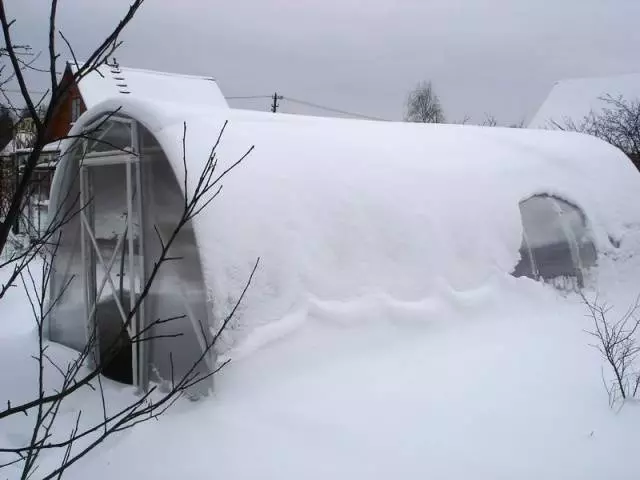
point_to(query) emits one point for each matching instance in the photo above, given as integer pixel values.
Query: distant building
(108, 81)
(570, 101)
(12, 160)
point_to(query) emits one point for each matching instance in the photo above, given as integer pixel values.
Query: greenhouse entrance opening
(124, 202)
(110, 187)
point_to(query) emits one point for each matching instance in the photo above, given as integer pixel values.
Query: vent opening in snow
(556, 241)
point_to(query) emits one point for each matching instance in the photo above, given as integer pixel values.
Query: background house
(570, 101)
(113, 80)
(12, 158)
(605, 107)
(106, 82)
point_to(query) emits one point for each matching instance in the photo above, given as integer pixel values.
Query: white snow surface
(108, 82)
(500, 383)
(573, 99)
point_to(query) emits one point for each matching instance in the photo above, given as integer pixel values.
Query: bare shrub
(616, 340)
(618, 124)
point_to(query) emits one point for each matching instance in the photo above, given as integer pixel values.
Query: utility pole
(275, 105)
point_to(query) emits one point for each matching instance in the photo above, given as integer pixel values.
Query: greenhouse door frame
(93, 258)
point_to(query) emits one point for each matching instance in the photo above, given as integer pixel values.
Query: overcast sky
(483, 56)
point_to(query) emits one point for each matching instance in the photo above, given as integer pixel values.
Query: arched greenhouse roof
(340, 209)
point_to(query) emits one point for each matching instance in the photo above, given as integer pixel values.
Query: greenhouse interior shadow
(121, 201)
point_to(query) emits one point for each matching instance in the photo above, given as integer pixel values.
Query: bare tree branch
(616, 342)
(53, 56)
(13, 57)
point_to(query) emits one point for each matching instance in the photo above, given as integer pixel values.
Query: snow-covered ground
(496, 383)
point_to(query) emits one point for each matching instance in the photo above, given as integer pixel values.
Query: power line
(249, 97)
(334, 110)
(274, 105)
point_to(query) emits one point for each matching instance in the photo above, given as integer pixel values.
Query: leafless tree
(618, 123)
(423, 105)
(84, 372)
(616, 340)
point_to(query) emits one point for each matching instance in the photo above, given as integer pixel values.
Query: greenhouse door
(112, 250)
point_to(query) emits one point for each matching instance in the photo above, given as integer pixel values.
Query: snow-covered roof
(11, 149)
(572, 100)
(109, 81)
(349, 214)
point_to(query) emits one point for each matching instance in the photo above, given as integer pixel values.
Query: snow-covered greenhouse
(336, 210)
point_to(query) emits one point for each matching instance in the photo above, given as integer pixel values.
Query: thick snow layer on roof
(411, 353)
(572, 100)
(354, 216)
(110, 81)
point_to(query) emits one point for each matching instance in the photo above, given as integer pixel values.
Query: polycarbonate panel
(112, 135)
(556, 241)
(66, 322)
(542, 223)
(178, 289)
(111, 275)
(172, 348)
